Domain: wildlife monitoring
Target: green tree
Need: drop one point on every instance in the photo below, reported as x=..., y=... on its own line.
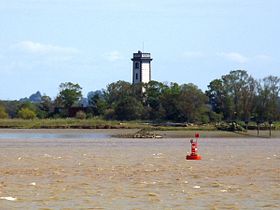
x=242, y=90
x=192, y=104
x=45, y=107
x=128, y=108
x=46, y=104
x=28, y=105
x=125, y=101
x=26, y=113
x=97, y=102
x=69, y=94
x=216, y=95
x=3, y=113
x=268, y=103
x=233, y=95
x=152, y=96
x=116, y=91
x=169, y=99
x=11, y=107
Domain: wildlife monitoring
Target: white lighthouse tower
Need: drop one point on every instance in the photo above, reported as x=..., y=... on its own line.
x=141, y=67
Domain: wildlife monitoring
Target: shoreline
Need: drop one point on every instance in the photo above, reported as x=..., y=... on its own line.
x=125, y=133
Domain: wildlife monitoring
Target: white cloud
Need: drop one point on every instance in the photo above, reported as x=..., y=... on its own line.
x=192, y=54
x=263, y=57
x=39, y=48
x=113, y=56
x=234, y=56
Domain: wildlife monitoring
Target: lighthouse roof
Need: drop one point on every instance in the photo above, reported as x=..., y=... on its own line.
x=142, y=56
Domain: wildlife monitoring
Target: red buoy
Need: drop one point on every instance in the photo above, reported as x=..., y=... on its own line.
x=194, y=155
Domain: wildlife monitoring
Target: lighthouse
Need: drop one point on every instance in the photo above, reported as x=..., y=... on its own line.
x=141, y=67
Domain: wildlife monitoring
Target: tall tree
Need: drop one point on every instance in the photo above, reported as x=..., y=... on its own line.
x=192, y=104
x=45, y=107
x=117, y=90
x=169, y=99
x=128, y=108
x=69, y=94
x=3, y=113
x=217, y=95
x=97, y=102
x=234, y=95
x=124, y=100
x=268, y=103
x=152, y=96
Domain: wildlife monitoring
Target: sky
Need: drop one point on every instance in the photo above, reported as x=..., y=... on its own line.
x=44, y=43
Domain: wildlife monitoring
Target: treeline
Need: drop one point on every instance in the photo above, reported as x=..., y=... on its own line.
x=235, y=96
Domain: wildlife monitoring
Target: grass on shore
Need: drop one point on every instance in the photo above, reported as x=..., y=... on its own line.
x=94, y=123
x=69, y=123
x=98, y=123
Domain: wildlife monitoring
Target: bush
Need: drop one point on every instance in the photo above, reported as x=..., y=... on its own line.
x=232, y=126
x=89, y=115
x=109, y=114
x=81, y=115
x=215, y=117
x=203, y=119
x=26, y=114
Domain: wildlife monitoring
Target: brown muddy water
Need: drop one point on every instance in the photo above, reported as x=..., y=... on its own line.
x=110, y=173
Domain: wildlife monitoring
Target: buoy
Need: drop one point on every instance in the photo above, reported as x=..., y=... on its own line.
x=194, y=155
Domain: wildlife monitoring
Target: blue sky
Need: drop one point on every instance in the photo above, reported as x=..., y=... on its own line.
x=46, y=42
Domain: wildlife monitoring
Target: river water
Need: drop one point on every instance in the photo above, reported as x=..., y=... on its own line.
x=99, y=172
